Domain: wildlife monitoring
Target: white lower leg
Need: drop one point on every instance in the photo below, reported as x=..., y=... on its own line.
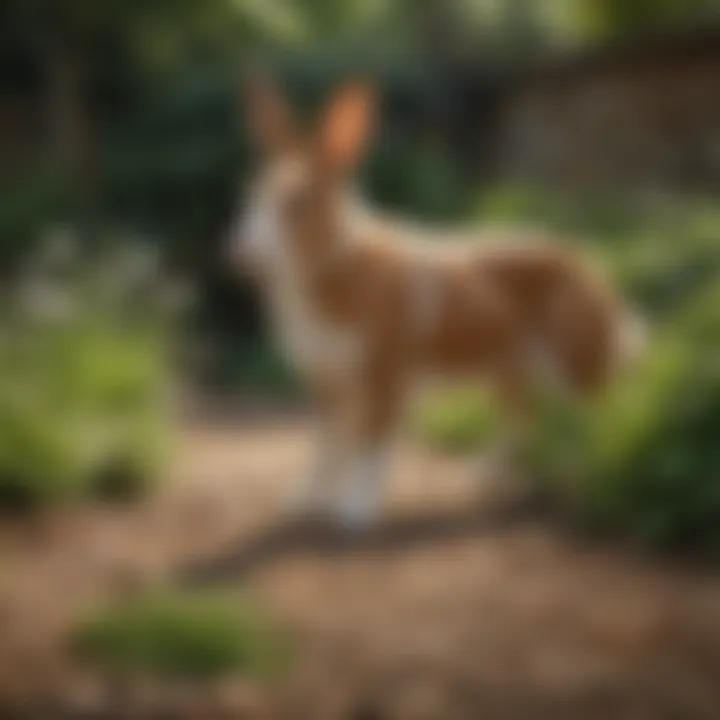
x=500, y=473
x=311, y=492
x=358, y=503
x=500, y=461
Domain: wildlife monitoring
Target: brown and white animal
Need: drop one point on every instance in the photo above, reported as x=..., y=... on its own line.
x=364, y=307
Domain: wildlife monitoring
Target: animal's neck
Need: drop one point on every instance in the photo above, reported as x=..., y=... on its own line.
x=357, y=225
x=349, y=226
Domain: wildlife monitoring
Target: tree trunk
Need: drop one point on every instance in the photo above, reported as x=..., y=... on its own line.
x=70, y=122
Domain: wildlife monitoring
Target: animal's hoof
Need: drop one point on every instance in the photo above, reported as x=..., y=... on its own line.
x=500, y=477
x=355, y=511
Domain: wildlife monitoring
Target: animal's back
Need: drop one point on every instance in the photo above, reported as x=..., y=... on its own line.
x=571, y=316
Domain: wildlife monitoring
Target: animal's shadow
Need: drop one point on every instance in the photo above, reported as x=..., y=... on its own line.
x=299, y=536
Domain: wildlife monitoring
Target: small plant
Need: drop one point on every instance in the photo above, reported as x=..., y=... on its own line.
x=455, y=421
x=183, y=636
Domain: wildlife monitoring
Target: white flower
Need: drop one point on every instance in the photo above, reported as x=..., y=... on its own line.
x=177, y=295
x=139, y=262
x=59, y=247
x=42, y=300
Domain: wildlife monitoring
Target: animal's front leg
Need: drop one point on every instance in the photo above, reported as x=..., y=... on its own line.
x=311, y=492
x=373, y=422
x=358, y=502
x=315, y=491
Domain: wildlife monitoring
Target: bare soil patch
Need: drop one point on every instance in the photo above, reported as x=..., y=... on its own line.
x=460, y=605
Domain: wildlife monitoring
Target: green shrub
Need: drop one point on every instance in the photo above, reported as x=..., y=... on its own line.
x=256, y=366
x=415, y=174
x=83, y=385
x=186, y=636
x=455, y=421
x=645, y=457
x=664, y=261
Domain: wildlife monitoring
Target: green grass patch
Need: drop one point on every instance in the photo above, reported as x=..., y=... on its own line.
x=184, y=636
x=455, y=421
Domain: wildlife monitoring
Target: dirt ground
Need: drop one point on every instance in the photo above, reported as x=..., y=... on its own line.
x=466, y=602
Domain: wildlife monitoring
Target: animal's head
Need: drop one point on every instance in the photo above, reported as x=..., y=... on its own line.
x=293, y=205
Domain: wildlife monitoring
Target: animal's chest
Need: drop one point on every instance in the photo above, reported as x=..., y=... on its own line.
x=313, y=344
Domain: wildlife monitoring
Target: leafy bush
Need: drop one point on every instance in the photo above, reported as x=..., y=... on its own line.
x=187, y=636
x=645, y=457
x=83, y=380
x=416, y=174
x=254, y=366
x=602, y=217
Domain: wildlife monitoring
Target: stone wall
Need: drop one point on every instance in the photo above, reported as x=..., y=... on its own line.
x=646, y=116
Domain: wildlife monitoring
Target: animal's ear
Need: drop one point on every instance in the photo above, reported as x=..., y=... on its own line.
x=267, y=116
x=346, y=124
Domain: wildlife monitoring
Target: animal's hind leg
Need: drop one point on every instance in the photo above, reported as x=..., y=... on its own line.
x=501, y=462
x=314, y=491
